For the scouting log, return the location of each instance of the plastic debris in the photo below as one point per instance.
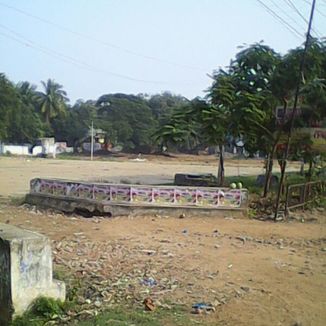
(202, 307)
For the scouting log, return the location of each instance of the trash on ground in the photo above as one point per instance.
(202, 307)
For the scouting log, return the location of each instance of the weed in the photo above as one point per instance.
(41, 310)
(17, 200)
(177, 315)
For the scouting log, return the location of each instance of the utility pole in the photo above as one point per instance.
(296, 97)
(92, 141)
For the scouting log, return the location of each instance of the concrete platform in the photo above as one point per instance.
(25, 271)
(93, 207)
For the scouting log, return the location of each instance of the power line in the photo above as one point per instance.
(296, 98)
(292, 5)
(107, 44)
(293, 30)
(320, 12)
(19, 38)
(286, 14)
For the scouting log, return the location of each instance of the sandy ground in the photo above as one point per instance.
(257, 273)
(15, 173)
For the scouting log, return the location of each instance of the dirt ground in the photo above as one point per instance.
(15, 173)
(255, 273)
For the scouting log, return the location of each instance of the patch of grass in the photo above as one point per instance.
(46, 310)
(42, 310)
(176, 316)
(16, 200)
(73, 285)
(248, 182)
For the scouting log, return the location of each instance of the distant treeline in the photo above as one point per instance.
(128, 120)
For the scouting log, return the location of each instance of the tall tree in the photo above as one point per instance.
(202, 122)
(19, 120)
(128, 121)
(53, 101)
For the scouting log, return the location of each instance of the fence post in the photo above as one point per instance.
(304, 195)
(286, 212)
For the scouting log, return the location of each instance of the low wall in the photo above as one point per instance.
(90, 207)
(117, 199)
(14, 149)
(25, 271)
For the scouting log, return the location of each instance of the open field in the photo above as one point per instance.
(15, 173)
(256, 273)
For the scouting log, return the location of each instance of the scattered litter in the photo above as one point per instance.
(149, 281)
(149, 304)
(199, 308)
(243, 239)
(149, 252)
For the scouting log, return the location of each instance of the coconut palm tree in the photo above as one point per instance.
(53, 101)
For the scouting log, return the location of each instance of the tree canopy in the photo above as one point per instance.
(241, 103)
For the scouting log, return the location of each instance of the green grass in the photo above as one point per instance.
(176, 316)
(16, 200)
(249, 181)
(44, 310)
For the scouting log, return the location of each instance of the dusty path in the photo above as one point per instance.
(15, 173)
(259, 273)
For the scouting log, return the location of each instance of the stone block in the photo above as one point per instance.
(25, 271)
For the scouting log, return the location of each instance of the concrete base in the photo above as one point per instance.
(25, 271)
(70, 205)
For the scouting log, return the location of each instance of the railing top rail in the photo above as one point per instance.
(137, 185)
(305, 183)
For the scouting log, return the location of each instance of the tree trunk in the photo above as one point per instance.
(269, 170)
(220, 172)
(309, 175)
(302, 168)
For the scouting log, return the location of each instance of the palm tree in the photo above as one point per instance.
(53, 101)
(27, 93)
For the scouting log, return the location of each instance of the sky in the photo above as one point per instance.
(96, 47)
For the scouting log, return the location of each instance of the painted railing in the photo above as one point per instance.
(142, 194)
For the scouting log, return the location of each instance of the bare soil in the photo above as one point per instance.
(16, 172)
(255, 273)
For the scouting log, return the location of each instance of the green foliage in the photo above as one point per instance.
(75, 124)
(47, 307)
(52, 102)
(177, 316)
(42, 310)
(27, 114)
(19, 121)
(240, 104)
(128, 119)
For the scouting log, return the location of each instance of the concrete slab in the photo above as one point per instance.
(25, 271)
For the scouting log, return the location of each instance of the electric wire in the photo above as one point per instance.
(286, 14)
(292, 29)
(105, 43)
(292, 5)
(19, 38)
(321, 13)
